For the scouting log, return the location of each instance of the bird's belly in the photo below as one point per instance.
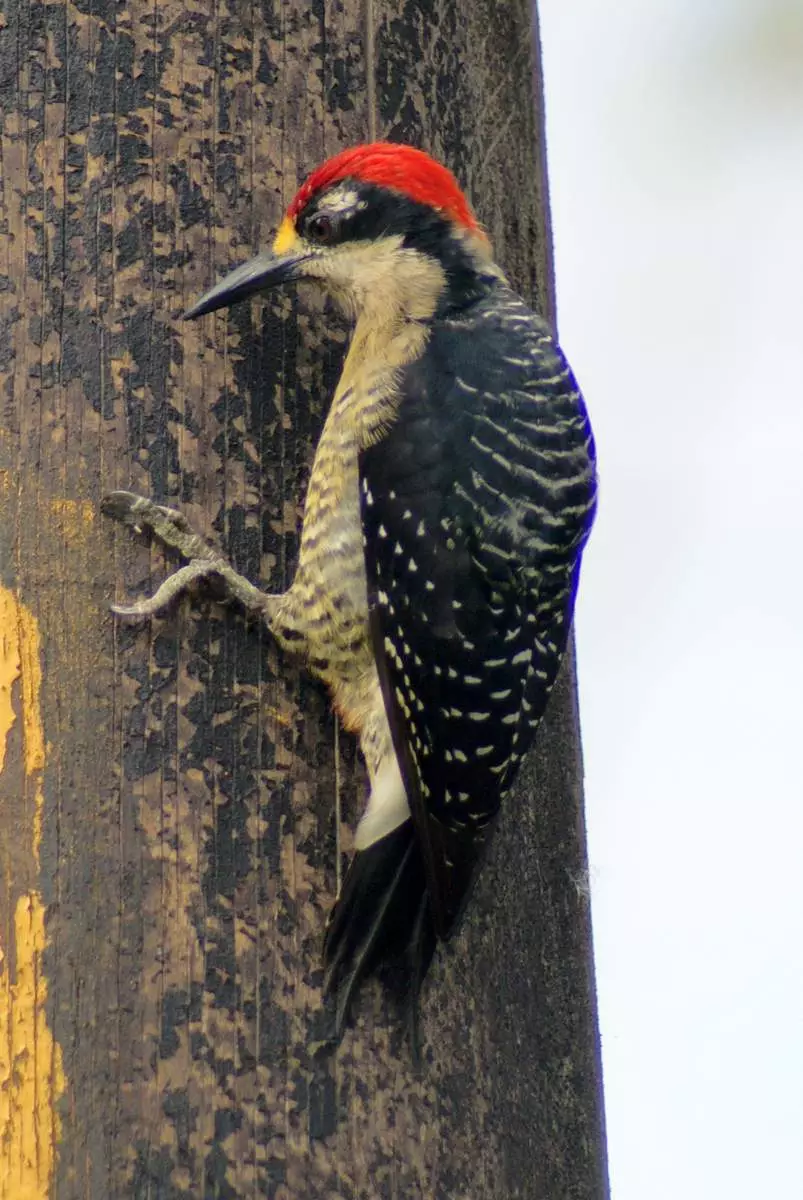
(330, 590)
(337, 638)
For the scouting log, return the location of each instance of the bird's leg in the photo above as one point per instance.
(172, 529)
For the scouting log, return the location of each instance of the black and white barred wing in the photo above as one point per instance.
(474, 507)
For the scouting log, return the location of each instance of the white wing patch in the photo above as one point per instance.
(387, 806)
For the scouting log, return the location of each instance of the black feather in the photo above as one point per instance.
(382, 915)
(475, 507)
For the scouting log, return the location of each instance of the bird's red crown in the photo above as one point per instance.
(401, 168)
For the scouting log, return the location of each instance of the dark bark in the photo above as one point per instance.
(167, 821)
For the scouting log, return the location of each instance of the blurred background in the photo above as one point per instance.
(675, 144)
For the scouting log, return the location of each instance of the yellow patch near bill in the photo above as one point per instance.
(286, 238)
(31, 1069)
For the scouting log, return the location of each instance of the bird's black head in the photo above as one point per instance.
(384, 228)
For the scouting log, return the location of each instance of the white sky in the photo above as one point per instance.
(675, 142)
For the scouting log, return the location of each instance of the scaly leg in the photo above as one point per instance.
(172, 529)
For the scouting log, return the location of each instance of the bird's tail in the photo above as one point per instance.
(382, 917)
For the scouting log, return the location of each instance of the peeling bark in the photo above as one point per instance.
(168, 839)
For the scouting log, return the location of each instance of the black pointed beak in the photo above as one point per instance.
(265, 271)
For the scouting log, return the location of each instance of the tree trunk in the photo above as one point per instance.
(173, 801)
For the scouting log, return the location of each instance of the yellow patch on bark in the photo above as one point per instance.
(74, 518)
(31, 1071)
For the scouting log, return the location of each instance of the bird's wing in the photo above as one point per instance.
(471, 564)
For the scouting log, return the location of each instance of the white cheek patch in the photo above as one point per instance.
(387, 807)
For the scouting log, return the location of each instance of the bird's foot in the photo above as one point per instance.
(172, 529)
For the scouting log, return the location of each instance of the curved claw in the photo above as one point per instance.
(168, 525)
(118, 504)
(173, 530)
(130, 509)
(173, 586)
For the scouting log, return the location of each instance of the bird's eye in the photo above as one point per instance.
(322, 228)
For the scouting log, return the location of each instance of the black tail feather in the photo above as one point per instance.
(382, 917)
(419, 955)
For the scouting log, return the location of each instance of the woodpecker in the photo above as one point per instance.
(452, 493)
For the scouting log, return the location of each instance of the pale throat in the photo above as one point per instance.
(394, 297)
(388, 285)
(393, 304)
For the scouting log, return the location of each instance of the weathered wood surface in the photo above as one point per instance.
(167, 819)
